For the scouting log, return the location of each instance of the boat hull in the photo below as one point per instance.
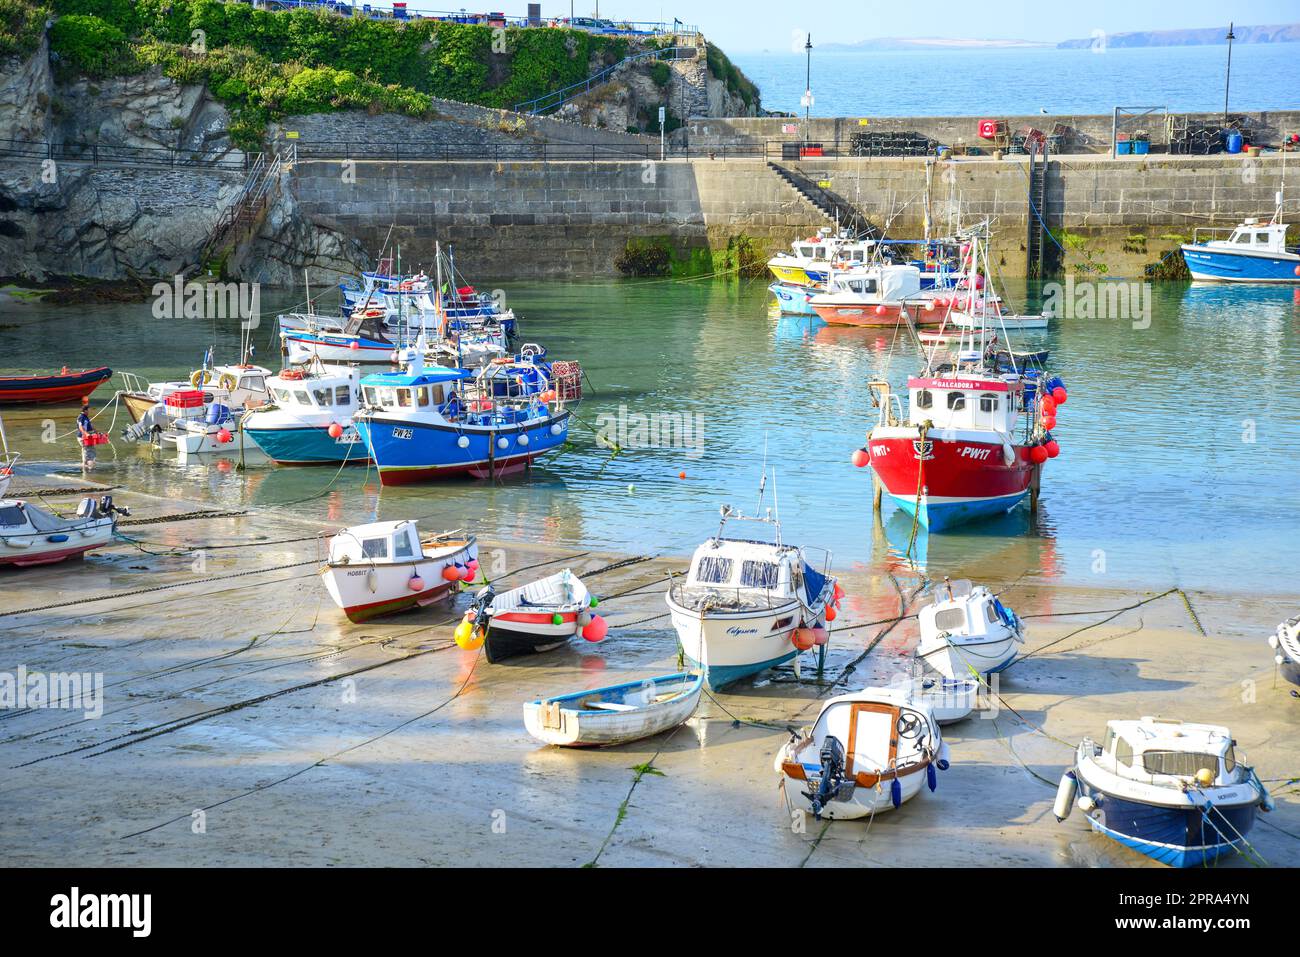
(793, 300)
(1290, 671)
(53, 388)
(511, 636)
(1176, 836)
(367, 591)
(304, 347)
(727, 647)
(797, 275)
(406, 452)
(959, 480)
(564, 722)
(961, 660)
(1217, 265)
(865, 314)
(310, 445)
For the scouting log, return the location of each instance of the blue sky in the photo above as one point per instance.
(768, 24)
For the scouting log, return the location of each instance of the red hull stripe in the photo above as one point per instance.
(46, 558)
(528, 618)
(362, 612)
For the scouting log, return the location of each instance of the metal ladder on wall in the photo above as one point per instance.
(1035, 247)
(244, 215)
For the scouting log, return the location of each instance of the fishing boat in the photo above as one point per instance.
(810, 261)
(1253, 252)
(423, 423)
(384, 568)
(144, 401)
(968, 632)
(62, 386)
(1285, 643)
(868, 752)
(746, 606)
(539, 616)
(310, 420)
(973, 438)
(358, 338)
(794, 299)
(1172, 790)
(618, 714)
(877, 296)
(32, 535)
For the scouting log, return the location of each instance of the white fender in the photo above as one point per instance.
(1086, 804)
(1008, 454)
(1065, 794)
(943, 761)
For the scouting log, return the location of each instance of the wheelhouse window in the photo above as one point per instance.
(949, 619)
(423, 394)
(282, 396)
(342, 395)
(956, 401)
(374, 548)
(253, 383)
(1123, 752)
(758, 574)
(324, 397)
(713, 570)
(402, 545)
(924, 399)
(988, 403)
(404, 399)
(300, 396)
(1180, 763)
(12, 515)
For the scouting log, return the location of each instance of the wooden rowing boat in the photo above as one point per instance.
(617, 714)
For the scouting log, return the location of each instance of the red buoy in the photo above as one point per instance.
(224, 436)
(1297, 270)
(415, 583)
(839, 591)
(880, 309)
(830, 614)
(335, 430)
(1053, 449)
(354, 344)
(803, 638)
(860, 458)
(820, 636)
(450, 574)
(1049, 422)
(1049, 405)
(1038, 455)
(596, 629)
(1060, 395)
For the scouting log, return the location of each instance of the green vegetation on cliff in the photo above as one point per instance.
(21, 24)
(264, 65)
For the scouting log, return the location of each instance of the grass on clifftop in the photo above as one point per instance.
(264, 65)
(21, 24)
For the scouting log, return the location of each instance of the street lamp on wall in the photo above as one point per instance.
(1228, 78)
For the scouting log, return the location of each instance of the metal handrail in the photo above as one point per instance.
(97, 154)
(567, 93)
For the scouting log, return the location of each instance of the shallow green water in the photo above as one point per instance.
(1157, 484)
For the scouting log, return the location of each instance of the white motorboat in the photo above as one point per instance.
(310, 419)
(32, 535)
(615, 715)
(967, 632)
(746, 606)
(1174, 791)
(539, 616)
(383, 568)
(868, 752)
(1285, 643)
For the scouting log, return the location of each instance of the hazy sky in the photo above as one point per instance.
(769, 24)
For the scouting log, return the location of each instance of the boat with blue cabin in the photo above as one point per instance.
(431, 422)
(1254, 252)
(1172, 790)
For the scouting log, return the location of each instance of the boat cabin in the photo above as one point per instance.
(752, 572)
(976, 402)
(418, 388)
(882, 283)
(307, 391)
(379, 543)
(960, 609)
(1252, 236)
(1152, 749)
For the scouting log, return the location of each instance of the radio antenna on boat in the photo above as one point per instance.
(762, 480)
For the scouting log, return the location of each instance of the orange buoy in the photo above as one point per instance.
(860, 458)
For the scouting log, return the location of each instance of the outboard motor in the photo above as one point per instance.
(833, 787)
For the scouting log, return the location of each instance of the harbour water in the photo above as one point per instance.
(1024, 81)
(1174, 469)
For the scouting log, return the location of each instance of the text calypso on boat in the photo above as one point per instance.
(974, 437)
(746, 606)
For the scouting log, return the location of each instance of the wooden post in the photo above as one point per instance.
(877, 492)
(1035, 485)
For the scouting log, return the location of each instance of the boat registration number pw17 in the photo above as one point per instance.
(971, 452)
(402, 433)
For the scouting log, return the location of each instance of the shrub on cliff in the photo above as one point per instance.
(91, 45)
(21, 25)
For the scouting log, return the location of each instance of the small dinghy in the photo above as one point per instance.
(949, 699)
(384, 568)
(1285, 643)
(968, 632)
(63, 386)
(1173, 791)
(538, 616)
(615, 715)
(869, 751)
(31, 535)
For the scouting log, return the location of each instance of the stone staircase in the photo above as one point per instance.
(240, 221)
(837, 211)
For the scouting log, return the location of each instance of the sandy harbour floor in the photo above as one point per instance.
(306, 740)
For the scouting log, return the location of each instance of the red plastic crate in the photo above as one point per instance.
(185, 399)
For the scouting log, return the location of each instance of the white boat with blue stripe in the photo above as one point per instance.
(310, 419)
(1172, 790)
(746, 606)
(1255, 252)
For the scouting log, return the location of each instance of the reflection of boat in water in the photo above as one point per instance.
(982, 552)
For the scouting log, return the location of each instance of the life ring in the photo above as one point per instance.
(228, 382)
(200, 378)
(291, 375)
(502, 361)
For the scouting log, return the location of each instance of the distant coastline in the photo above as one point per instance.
(1204, 36)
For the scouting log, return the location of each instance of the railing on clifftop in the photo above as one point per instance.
(556, 99)
(98, 155)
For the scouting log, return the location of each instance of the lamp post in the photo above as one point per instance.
(1228, 78)
(807, 90)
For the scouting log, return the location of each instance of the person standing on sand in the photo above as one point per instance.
(85, 429)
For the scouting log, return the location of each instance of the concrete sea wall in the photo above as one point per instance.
(531, 219)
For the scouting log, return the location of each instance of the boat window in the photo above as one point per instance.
(374, 548)
(388, 396)
(924, 399)
(1230, 760)
(422, 394)
(342, 395)
(437, 394)
(713, 570)
(253, 383)
(1243, 238)
(1261, 238)
(957, 401)
(404, 400)
(402, 545)
(372, 396)
(12, 515)
(991, 613)
(323, 396)
(1123, 752)
(758, 574)
(950, 619)
(301, 397)
(1181, 763)
(988, 403)
(282, 395)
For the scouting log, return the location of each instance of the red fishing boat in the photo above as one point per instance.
(62, 386)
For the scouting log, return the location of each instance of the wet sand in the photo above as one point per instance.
(306, 740)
